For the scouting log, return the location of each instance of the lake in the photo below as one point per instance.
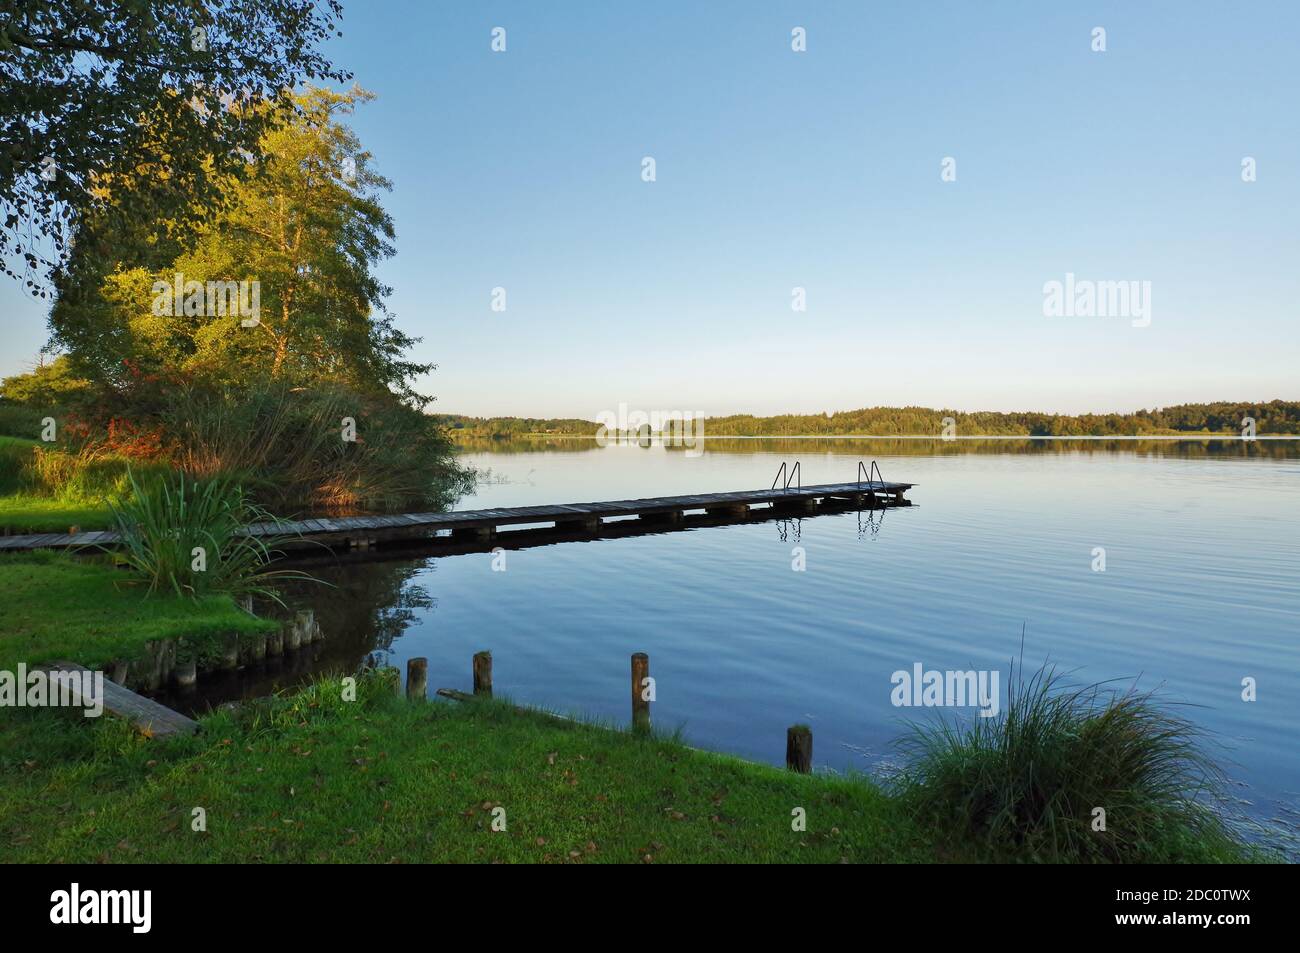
(1199, 591)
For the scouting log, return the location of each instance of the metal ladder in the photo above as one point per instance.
(863, 471)
(789, 474)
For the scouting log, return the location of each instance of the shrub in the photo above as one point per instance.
(285, 444)
(188, 536)
(1026, 781)
(19, 421)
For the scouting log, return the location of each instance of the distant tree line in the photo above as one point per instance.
(514, 426)
(1223, 417)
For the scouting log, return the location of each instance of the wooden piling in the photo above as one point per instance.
(275, 643)
(186, 674)
(483, 674)
(729, 510)
(798, 748)
(417, 679)
(229, 651)
(640, 703)
(305, 630)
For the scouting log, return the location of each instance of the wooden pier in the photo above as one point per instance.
(479, 526)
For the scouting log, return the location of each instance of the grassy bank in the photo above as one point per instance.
(29, 513)
(59, 607)
(314, 778)
(321, 775)
(44, 489)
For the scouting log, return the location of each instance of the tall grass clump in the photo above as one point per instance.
(285, 444)
(1025, 783)
(188, 537)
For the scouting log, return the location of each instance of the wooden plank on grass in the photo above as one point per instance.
(149, 717)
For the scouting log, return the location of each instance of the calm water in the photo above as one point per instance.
(1200, 590)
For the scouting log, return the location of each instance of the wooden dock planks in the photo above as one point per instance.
(417, 525)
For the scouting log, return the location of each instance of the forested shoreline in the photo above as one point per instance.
(1277, 417)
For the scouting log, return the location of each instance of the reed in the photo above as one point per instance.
(188, 536)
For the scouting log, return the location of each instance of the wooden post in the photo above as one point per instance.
(798, 748)
(229, 651)
(417, 679)
(186, 674)
(640, 703)
(483, 674)
(304, 629)
(729, 510)
(275, 643)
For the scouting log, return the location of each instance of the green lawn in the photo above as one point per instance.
(313, 778)
(58, 607)
(24, 511)
(29, 513)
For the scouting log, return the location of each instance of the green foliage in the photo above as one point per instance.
(99, 94)
(308, 229)
(78, 473)
(286, 444)
(1277, 417)
(17, 420)
(44, 390)
(1026, 781)
(1272, 418)
(187, 537)
(460, 425)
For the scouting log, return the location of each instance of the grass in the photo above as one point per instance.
(1070, 774)
(59, 607)
(312, 778)
(31, 513)
(48, 489)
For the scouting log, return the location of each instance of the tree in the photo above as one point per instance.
(296, 241)
(173, 91)
(45, 386)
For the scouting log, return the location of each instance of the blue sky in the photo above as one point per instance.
(821, 170)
